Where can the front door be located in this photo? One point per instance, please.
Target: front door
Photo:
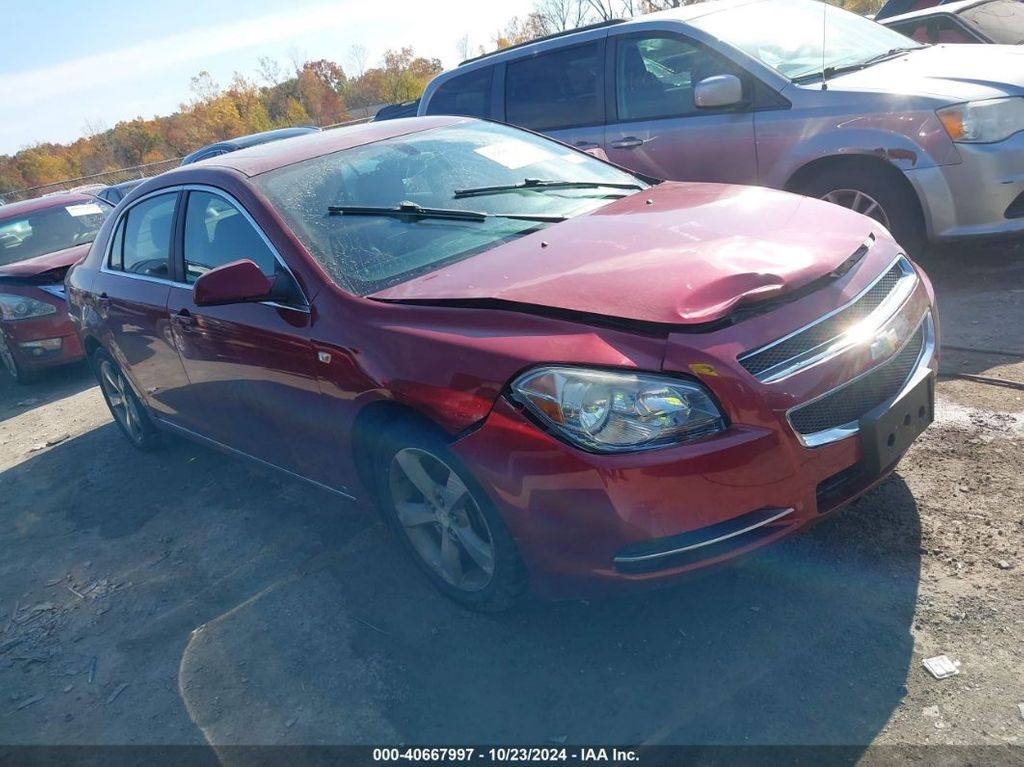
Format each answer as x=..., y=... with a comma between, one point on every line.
x=251, y=365
x=655, y=127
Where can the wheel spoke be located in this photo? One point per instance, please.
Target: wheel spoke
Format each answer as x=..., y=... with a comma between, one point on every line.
x=454, y=490
x=412, y=514
x=477, y=548
x=412, y=466
x=115, y=400
x=111, y=382
x=451, y=561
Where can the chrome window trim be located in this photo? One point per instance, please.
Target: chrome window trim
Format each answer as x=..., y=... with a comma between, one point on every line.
x=303, y=307
x=903, y=289
x=702, y=544
x=836, y=433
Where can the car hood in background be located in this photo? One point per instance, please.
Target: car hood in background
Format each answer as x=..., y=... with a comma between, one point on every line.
x=676, y=254
x=953, y=72
x=34, y=267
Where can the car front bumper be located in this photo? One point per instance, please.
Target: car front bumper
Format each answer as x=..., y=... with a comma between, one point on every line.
x=588, y=523
x=981, y=196
x=60, y=343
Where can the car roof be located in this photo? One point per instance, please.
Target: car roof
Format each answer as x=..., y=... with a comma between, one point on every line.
x=26, y=207
x=252, y=139
x=268, y=156
x=955, y=7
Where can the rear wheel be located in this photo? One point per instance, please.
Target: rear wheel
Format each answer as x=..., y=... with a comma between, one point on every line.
x=128, y=412
x=876, y=195
x=447, y=523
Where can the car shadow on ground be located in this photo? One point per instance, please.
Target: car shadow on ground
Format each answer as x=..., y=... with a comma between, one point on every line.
x=239, y=607
x=48, y=386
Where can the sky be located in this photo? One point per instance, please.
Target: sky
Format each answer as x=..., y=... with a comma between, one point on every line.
x=67, y=66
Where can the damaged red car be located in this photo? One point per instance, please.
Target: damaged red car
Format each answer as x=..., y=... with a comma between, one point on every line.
x=550, y=374
x=39, y=240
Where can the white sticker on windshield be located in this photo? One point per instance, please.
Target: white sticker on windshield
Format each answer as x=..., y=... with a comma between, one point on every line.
x=85, y=209
x=514, y=153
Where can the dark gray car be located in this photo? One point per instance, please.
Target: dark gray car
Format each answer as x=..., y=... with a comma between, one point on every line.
x=929, y=141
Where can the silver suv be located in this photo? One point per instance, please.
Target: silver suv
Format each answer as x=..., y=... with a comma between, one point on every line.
x=927, y=140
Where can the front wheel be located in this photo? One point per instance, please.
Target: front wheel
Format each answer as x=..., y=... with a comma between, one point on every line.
x=129, y=414
x=447, y=523
x=10, y=364
x=875, y=195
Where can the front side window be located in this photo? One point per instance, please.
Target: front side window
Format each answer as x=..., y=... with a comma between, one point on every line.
x=796, y=38
x=555, y=90
x=59, y=227
x=468, y=168
x=655, y=76
x=940, y=29
x=142, y=244
x=468, y=95
x=216, y=233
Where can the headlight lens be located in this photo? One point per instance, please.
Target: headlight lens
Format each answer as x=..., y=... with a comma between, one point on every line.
x=613, y=412
x=984, y=122
x=22, y=307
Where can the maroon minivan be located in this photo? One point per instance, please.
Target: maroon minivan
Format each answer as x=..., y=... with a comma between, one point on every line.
x=549, y=373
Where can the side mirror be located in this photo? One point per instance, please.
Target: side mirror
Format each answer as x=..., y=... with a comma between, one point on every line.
x=233, y=283
x=718, y=92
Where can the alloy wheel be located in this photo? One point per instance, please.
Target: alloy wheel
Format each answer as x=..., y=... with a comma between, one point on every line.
x=441, y=519
x=859, y=201
x=121, y=401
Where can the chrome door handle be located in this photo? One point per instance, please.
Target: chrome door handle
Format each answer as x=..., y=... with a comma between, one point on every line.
x=183, y=318
x=629, y=142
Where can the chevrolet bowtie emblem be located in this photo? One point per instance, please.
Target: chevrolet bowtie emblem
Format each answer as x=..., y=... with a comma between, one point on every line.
x=884, y=345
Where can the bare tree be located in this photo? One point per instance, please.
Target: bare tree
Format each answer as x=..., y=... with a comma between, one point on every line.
x=559, y=15
x=604, y=10
x=356, y=59
x=463, y=47
x=270, y=71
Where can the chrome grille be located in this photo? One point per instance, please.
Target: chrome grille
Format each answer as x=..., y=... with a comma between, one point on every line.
x=845, y=405
x=803, y=348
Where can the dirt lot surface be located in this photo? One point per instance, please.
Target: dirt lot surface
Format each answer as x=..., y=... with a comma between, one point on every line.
x=187, y=597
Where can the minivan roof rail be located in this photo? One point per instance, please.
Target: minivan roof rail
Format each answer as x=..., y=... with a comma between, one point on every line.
x=555, y=36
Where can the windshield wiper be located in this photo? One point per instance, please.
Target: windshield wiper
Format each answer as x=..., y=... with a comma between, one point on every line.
x=831, y=72
x=411, y=211
x=537, y=183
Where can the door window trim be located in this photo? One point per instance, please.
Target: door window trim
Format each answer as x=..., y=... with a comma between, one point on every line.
x=176, y=253
x=121, y=224
x=751, y=83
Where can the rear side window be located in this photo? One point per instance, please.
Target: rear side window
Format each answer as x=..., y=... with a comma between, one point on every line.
x=940, y=29
x=142, y=244
x=468, y=95
x=216, y=233
x=555, y=90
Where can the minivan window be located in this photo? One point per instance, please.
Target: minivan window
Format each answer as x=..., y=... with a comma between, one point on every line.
x=216, y=233
x=146, y=242
x=468, y=95
x=555, y=90
x=655, y=76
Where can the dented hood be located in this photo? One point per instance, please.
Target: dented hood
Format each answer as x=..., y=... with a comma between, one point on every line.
x=676, y=253
x=34, y=267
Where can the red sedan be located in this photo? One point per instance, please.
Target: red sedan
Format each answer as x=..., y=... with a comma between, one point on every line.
x=39, y=240
x=549, y=373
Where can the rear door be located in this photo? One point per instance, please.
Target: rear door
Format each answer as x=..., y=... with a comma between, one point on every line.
x=251, y=365
x=654, y=127
x=132, y=288
x=560, y=93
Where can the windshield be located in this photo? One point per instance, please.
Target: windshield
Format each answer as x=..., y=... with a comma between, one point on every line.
x=365, y=253
x=1003, y=21
x=48, y=230
x=787, y=36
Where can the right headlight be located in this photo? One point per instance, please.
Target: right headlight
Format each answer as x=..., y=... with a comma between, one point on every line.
x=22, y=307
x=984, y=122
x=608, y=411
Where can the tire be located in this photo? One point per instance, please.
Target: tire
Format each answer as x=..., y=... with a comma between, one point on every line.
x=876, y=195
x=456, y=537
x=14, y=370
x=128, y=412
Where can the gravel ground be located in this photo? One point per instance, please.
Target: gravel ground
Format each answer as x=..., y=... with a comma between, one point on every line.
x=188, y=597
